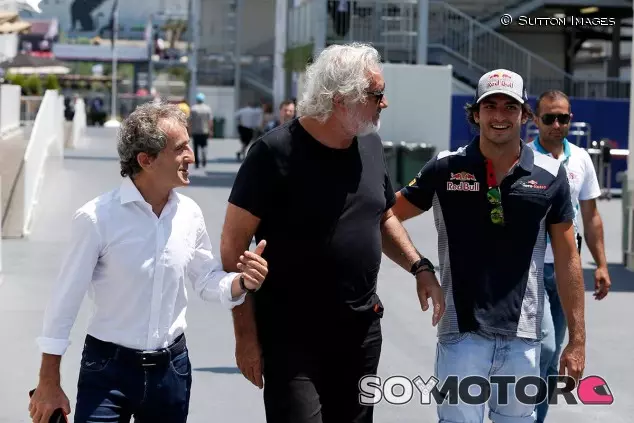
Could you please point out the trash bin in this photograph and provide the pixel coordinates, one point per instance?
(219, 127)
(412, 159)
(391, 160)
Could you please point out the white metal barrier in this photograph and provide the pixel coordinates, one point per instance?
(9, 108)
(0, 230)
(79, 124)
(47, 139)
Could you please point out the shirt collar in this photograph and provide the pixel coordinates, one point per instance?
(542, 150)
(526, 154)
(129, 193)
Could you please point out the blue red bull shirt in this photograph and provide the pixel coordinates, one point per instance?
(492, 236)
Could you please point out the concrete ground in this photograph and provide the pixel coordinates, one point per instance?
(220, 393)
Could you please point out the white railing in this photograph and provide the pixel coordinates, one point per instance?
(455, 38)
(78, 125)
(9, 108)
(47, 139)
(0, 231)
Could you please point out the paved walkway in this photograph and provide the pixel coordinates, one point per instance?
(220, 393)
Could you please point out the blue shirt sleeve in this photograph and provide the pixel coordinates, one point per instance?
(561, 209)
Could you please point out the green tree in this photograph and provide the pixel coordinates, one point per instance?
(52, 83)
(34, 85)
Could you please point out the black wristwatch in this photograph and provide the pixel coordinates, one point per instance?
(243, 286)
(422, 265)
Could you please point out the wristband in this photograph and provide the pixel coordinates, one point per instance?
(243, 287)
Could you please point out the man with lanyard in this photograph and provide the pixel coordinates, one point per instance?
(494, 200)
(553, 120)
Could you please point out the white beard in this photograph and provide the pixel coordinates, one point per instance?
(369, 128)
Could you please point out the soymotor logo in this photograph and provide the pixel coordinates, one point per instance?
(591, 390)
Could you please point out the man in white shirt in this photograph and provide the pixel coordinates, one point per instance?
(132, 249)
(248, 120)
(553, 116)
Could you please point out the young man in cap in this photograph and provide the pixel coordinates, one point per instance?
(553, 116)
(494, 201)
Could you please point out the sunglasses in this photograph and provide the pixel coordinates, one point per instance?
(378, 95)
(495, 198)
(549, 118)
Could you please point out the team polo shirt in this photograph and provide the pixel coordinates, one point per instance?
(582, 178)
(491, 274)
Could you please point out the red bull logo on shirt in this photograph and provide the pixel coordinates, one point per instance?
(462, 176)
(465, 182)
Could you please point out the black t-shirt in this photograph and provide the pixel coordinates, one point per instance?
(320, 211)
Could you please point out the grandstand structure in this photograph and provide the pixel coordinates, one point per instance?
(587, 61)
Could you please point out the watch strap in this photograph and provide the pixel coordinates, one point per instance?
(422, 265)
(243, 286)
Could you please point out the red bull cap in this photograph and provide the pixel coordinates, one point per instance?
(501, 81)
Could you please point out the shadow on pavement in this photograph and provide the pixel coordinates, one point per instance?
(213, 179)
(221, 370)
(621, 278)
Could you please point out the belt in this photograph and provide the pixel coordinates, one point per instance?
(140, 357)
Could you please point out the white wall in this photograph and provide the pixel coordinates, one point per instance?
(8, 46)
(419, 104)
(257, 23)
(549, 44)
(46, 140)
(221, 100)
(10, 96)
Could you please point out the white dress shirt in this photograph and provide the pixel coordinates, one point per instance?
(133, 265)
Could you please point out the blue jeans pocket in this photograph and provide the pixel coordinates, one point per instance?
(453, 338)
(93, 360)
(531, 342)
(181, 365)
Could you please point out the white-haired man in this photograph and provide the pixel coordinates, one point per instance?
(317, 189)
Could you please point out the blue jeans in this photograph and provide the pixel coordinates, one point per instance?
(474, 354)
(116, 383)
(553, 333)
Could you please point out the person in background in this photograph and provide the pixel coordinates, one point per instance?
(286, 113)
(201, 125)
(553, 116)
(184, 106)
(267, 117)
(248, 120)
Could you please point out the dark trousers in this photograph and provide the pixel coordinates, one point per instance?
(116, 383)
(245, 134)
(200, 143)
(319, 382)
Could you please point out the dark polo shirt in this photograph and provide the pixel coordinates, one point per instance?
(492, 274)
